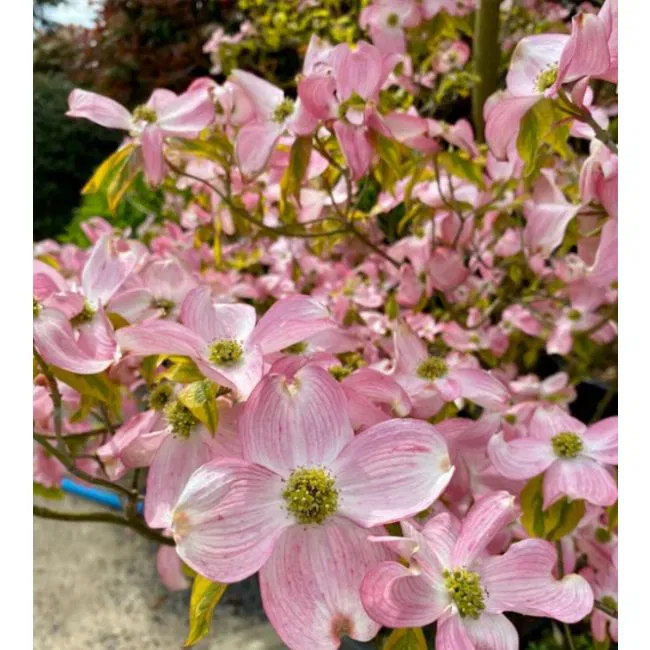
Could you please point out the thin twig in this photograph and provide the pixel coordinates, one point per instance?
(105, 517)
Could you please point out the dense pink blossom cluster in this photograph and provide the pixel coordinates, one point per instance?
(377, 428)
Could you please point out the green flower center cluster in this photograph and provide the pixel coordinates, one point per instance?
(311, 495)
(160, 396)
(145, 114)
(547, 78)
(465, 590)
(340, 372)
(282, 111)
(225, 352)
(180, 419)
(610, 603)
(574, 315)
(432, 368)
(296, 348)
(566, 445)
(392, 20)
(355, 102)
(164, 304)
(84, 316)
(37, 307)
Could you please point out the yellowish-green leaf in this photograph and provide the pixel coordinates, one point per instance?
(114, 162)
(459, 164)
(205, 596)
(117, 320)
(552, 524)
(47, 492)
(406, 638)
(200, 397)
(182, 371)
(612, 517)
(98, 387)
(295, 172)
(391, 308)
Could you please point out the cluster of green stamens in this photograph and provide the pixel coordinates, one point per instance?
(296, 348)
(567, 445)
(160, 396)
(603, 535)
(37, 308)
(180, 419)
(574, 315)
(432, 368)
(392, 20)
(225, 352)
(340, 372)
(144, 114)
(282, 111)
(355, 102)
(84, 316)
(547, 78)
(311, 495)
(164, 304)
(465, 590)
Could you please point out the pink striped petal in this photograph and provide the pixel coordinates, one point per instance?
(551, 420)
(502, 123)
(380, 388)
(359, 71)
(451, 634)
(355, 147)
(601, 441)
(579, 478)
(56, 343)
(391, 471)
(316, 94)
(170, 470)
(290, 422)
(480, 387)
(521, 458)
(97, 338)
(492, 632)
(109, 264)
(290, 320)
(586, 53)
(133, 304)
(264, 95)
(228, 519)
(187, 115)
(170, 569)
(311, 600)
(255, 143)
(46, 280)
(410, 350)
(215, 321)
(522, 581)
(99, 109)
(398, 596)
(152, 153)
(485, 520)
(160, 337)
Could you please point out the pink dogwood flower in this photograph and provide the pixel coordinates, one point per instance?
(71, 329)
(296, 505)
(599, 178)
(344, 90)
(431, 381)
(223, 339)
(164, 115)
(572, 456)
(386, 21)
(453, 579)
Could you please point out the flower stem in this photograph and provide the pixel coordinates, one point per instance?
(108, 518)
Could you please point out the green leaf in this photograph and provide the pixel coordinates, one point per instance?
(182, 371)
(459, 164)
(295, 172)
(200, 397)
(98, 387)
(48, 492)
(552, 524)
(107, 169)
(205, 596)
(406, 638)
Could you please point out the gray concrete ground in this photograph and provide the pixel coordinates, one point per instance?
(96, 588)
